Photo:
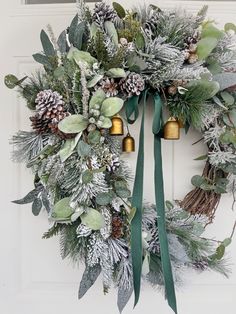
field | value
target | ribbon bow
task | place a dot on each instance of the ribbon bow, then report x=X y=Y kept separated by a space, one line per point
x=132 y=109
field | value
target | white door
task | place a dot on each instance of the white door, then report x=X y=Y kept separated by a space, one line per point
x=33 y=279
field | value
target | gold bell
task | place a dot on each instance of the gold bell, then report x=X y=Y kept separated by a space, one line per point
x=117 y=127
x=128 y=144
x=171 y=129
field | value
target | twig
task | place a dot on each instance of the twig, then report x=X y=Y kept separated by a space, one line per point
x=233 y=231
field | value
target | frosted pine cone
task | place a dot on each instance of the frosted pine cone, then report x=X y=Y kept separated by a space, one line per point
x=50 y=110
x=102 y=13
x=117 y=227
x=201 y=265
x=132 y=85
x=109 y=86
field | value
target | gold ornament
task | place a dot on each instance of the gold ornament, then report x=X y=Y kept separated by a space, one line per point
x=128 y=144
x=171 y=129
x=117 y=126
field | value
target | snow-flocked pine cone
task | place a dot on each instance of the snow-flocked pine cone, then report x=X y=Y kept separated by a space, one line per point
x=132 y=85
x=109 y=86
x=102 y=13
x=201 y=265
x=50 y=110
x=117 y=227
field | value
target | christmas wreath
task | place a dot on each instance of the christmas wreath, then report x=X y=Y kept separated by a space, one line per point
x=95 y=80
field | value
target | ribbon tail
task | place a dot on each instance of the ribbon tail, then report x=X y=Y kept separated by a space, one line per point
x=160 y=207
x=137 y=203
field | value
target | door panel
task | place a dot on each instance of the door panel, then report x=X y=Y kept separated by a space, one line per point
x=33 y=278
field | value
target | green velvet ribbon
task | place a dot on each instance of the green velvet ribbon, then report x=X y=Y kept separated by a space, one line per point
x=137 y=198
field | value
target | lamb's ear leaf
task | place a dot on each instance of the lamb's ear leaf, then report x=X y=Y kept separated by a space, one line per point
x=72 y=28
x=47 y=44
x=62 y=43
x=111 y=106
x=75 y=123
x=205 y=47
x=111 y=32
x=29 y=198
x=42 y=59
x=36 y=206
x=92 y=219
x=89 y=277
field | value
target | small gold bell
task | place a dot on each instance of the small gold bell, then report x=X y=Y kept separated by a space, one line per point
x=128 y=144
x=117 y=127
x=171 y=129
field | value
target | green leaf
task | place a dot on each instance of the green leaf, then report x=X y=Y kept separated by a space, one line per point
x=199 y=91
x=228 y=98
x=226 y=79
x=93 y=81
x=227 y=242
x=123 y=193
x=78 y=37
x=93 y=219
x=106 y=123
x=132 y=214
x=72 y=29
x=11 y=81
x=68 y=148
x=36 y=206
x=29 y=198
x=93 y=30
x=140 y=41
x=94 y=137
x=103 y=198
x=42 y=59
x=62 y=43
x=62 y=209
x=111 y=32
x=198 y=229
x=230 y=118
x=197 y=180
x=59 y=72
x=229 y=27
x=169 y=205
x=47 y=44
x=111 y=106
x=210 y=31
x=97 y=98
x=202 y=157
x=220 y=252
x=87 y=176
x=73 y=124
x=119 y=10
x=214 y=66
x=116 y=73
x=83 y=149
x=81 y=56
x=205 y=47
x=136 y=63
x=207 y=187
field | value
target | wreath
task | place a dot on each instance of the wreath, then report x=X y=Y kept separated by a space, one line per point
x=96 y=79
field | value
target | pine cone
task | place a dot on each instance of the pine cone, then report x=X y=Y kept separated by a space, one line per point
x=200 y=265
x=50 y=111
x=117 y=227
x=102 y=13
x=132 y=85
x=109 y=86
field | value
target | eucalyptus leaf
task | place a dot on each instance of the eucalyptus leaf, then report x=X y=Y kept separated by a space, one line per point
x=106 y=123
x=197 y=180
x=111 y=106
x=227 y=242
x=73 y=124
x=93 y=81
x=89 y=277
x=97 y=99
x=210 y=31
x=93 y=219
x=228 y=98
x=116 y=73
x=87 y=176
x=36 y=206
x=11 y=81
x=83 y=149
x=220 y=252
x=205 y=47
x=81 y=56
x=230 y=118
x=119 y=10
x=94 y=137
x=68 y=148
x=47 y=44
x=62 y=209
x=111 y=32
x=103 y=198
